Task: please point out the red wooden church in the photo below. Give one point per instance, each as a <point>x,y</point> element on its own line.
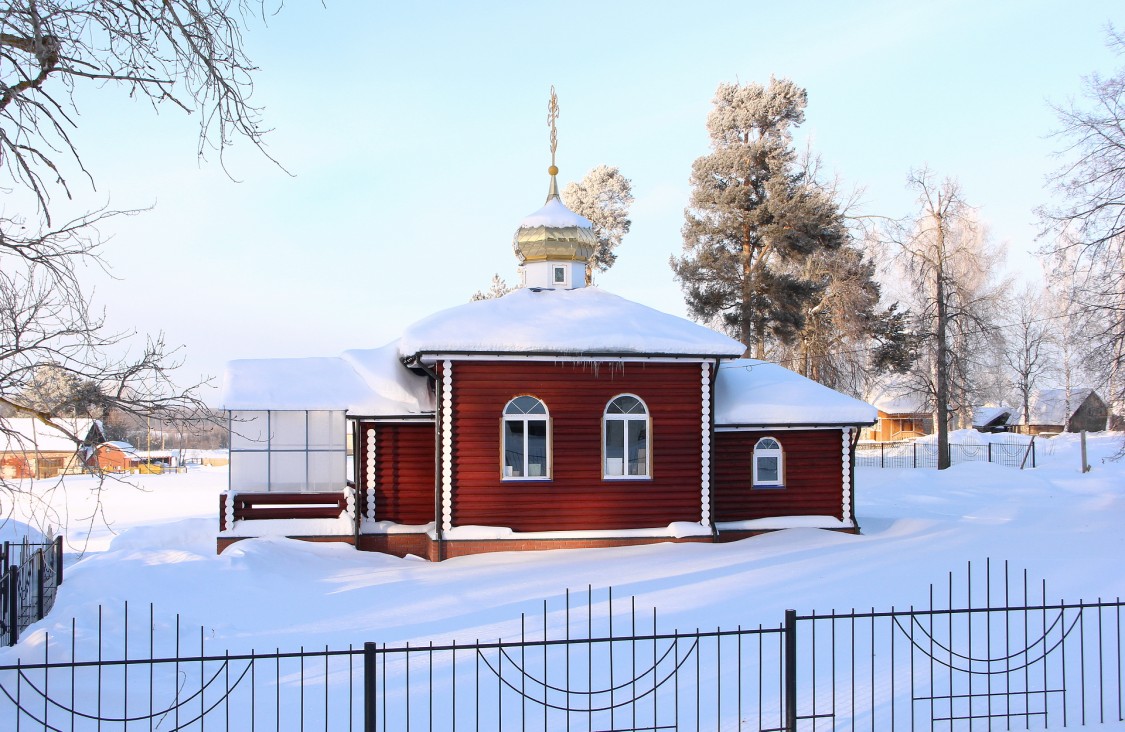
<point>559,415</point>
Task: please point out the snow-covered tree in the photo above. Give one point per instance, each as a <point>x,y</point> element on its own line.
<point>499,288</point>
<point>55,55</point>
<point>754,217</point>
<point>947,273</point>
<point>848,336</point>
<point>1027,346</point>
<point>604,196</point>
<point>1084,228</point>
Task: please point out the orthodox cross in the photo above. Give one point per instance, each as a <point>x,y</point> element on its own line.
<point>552,115</point>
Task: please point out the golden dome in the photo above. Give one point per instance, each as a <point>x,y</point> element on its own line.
<point>554,232</point>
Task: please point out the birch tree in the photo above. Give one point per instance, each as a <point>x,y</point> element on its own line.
<point>1084,226</point>
<point>947,264</point>
<point>1027,348</point>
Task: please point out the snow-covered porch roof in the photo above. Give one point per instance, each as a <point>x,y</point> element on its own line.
<point>364,382</point>
<point>750,393</point>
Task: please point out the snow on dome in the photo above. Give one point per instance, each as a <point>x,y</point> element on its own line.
<point>750,392</point>
<point>555,215</point>
<point>580,322</point>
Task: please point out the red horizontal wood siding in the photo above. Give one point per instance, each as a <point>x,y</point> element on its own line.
<point>576,394</point>
<point>813,476</point>
<point>404,471</point>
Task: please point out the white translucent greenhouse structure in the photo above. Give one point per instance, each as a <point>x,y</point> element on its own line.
<point>287,450</point>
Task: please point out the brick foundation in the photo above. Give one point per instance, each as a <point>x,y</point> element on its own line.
<point>420,545</point>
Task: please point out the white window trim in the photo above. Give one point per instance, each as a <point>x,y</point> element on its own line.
<point>769,452</point>
<point>566,275</point>
<point>628,418</point>
<point>525,418</point>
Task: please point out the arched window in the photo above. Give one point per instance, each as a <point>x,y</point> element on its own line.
<point>769,467</point>
<point>526,441</point>
<point>626,446</point>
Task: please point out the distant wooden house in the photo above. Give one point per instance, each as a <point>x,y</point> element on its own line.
<point>1051,411</point>
<point>31,448</point>
<point>902,415</point>
<point>115,457</point>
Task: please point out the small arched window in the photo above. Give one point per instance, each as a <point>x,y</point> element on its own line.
<point>526,443</point>
<point>626,445</point>
<point>769,465</point>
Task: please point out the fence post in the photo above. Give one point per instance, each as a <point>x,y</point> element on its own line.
<point>915,446</point>
<point>990,452</point>
<point>13,605</point>
<point>57,548</point>
<point>369,687</point>
<point>790,671</point>
<point>882,454</point>
<point>39,560</point>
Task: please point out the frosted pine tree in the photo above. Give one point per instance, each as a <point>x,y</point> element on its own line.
<point>603,196</point>
<point>499,288</point>
<point>754,216</point>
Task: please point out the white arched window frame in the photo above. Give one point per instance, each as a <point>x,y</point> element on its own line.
<point>525,441</point>
<point>626,439</point>
<point>769,464</point>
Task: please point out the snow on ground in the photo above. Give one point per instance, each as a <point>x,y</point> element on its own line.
<point>1061,525</point>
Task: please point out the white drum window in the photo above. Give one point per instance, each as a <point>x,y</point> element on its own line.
<point>526,439</point>
<point>626,443</point>
<point>769,464</point>
<point>292,450</point>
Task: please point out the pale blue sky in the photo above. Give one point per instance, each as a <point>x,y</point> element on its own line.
<point>417,139</point>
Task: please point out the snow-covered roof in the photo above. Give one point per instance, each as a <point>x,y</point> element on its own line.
<point>124,447</point>
<point>556,215</point>
<point>587,320</point>
<point>22,434</point>
<point>894,396</point>
<point>366,382</point>
<point>751,392</point>
<point>984,416</point>
<point>1049,406</point>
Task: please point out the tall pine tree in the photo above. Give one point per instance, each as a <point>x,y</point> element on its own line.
<point>755,215</point>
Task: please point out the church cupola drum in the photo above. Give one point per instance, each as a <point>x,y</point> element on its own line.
<point>554,244</point>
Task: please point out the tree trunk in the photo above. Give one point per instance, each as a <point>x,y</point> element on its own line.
<point>941,397</point>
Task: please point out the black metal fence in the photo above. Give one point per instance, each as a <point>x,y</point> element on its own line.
<point>29,578</point>
<point>1013,451</point>
<point>987,653</point>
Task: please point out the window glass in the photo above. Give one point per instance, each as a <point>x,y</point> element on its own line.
<point>768,463</point>
<point>287,430</point>
<point>248,430</point>
<point>526,439</point>
<point>638,443</point>
<point>767,469</point>
<point>513,449</point>
<point>614,447</point>
<point>537,448</point>
<point>626,447</point>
